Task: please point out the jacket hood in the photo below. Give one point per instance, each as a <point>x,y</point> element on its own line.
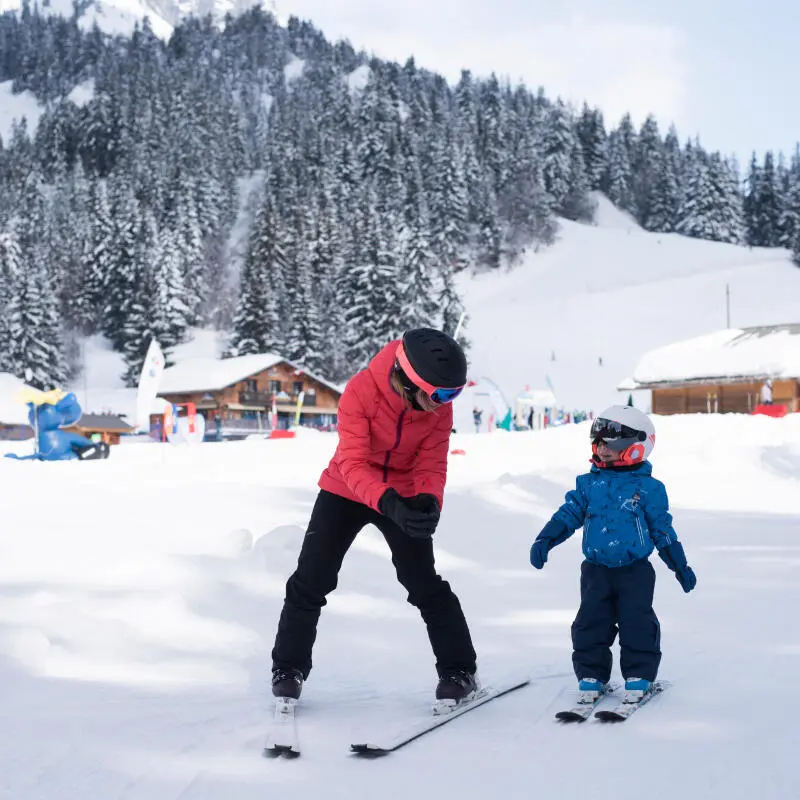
<point>380,367</point>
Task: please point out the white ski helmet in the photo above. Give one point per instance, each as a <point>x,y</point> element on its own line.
<point>625,430</point>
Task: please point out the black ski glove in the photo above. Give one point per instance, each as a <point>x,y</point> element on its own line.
<point>416,516</point>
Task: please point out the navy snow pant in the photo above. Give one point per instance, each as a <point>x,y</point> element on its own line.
<point>334,525</point>
<point>611,598</point>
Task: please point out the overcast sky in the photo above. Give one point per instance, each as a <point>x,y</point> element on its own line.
<point>727,71</point>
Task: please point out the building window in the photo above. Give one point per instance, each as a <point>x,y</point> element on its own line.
<point>275,387</point>
<point>310,398</point>
<point>251,385</point>
<point>297,387</point>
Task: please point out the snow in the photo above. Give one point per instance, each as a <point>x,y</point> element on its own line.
<point>607,215</point>
<point>83,93</point>
<point>757,353</point>
<point>579,316</point>
<point>294,69</point>
<point>137,615</point>
<point>15,107</point>
<point>111,16</point>
<point>359,78</point>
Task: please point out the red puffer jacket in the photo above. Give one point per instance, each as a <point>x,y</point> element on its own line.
<point>383,444</point>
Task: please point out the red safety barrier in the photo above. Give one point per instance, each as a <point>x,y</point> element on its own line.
<point>774,410</point>
<point>278,433</point>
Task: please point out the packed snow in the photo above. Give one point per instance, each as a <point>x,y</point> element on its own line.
<point>576,318</point>
<point>137,616</point>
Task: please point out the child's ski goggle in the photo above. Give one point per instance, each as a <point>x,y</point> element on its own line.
<point>439,394</point>
<point>615,435</point>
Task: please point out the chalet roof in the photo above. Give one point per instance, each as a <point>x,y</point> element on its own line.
<point>734,354</point>
<point>103,422</point>
<point>213,374</point>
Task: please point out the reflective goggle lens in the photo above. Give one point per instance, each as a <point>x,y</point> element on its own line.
<point>446,395</point>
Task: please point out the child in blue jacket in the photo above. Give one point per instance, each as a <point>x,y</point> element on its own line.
<point>624,513</point>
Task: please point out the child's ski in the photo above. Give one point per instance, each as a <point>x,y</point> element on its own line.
<point>582,710</point>
<point>625,710</point>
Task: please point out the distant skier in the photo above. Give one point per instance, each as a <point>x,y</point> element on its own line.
<point>389,469</point>
<point>477,417</point>
<point>766,393</point>
<point>624,513</point>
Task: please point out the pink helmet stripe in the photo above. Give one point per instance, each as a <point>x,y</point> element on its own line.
<point>405,365</point>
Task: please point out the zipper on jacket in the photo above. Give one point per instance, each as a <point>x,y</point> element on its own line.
<point>396,445</point>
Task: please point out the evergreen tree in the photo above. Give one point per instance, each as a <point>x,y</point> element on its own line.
<point>257,325</point>
<point>591,133</point>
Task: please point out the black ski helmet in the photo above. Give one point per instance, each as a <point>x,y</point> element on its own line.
<point>436,357</point>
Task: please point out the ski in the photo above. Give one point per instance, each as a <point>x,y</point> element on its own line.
<point>282,739</point>
<point>624,710</point>
<point>439,717</point>
<point>583,709</point>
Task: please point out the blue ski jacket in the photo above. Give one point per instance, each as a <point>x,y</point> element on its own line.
<point>624,515</point>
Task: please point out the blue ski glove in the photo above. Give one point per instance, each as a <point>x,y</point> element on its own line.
<point>552,534</point>
<point>674,557</point>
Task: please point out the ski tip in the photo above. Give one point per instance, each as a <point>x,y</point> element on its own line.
<point>281,752</point>
<point>368,750</point>
<point>609,716</point>
<point>569,716</point>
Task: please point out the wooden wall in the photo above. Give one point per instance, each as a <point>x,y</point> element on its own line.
<point>739,398</point>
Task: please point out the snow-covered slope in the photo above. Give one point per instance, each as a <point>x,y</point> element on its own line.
<point>120,16</point>
<point>139,598</point>
<point>580,314</point>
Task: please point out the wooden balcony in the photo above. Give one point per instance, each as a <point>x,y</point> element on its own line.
<point>260,399</point>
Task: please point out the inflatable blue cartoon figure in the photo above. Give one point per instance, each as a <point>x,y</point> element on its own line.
<point>47,415</point>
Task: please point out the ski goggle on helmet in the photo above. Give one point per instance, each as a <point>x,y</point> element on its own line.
<point>411,378</point>
<point>626,431</point>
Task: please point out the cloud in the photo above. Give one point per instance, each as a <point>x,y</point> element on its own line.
<point>616,64</point>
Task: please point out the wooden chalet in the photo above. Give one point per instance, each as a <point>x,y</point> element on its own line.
<point>239,393</point>
<point>107,428</point>
<point>722,372</point>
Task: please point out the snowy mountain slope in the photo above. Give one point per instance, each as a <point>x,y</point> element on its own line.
<point>613,292</point>
<point>120,16</point>
<point>111,16</point>
<point>135,627</point>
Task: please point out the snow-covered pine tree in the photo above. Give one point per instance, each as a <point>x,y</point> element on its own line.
<point>34,323</point>
<point>94,263</point>
<point>10,268</point>
<point>257,326</point>
<point>769,204</point>
<point>665,200</point>
<point>591,133</point>
<point>558,143</point>
<point>646,166</point>
<point>790,211</point>
<point>619,175</point>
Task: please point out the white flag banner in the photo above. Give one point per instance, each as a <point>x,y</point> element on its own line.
<point>149,380</point>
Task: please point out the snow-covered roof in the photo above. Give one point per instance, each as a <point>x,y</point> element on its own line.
<point>770,351</point>
<point>213,374</point>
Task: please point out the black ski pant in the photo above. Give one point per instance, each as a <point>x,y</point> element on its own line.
<point>334,525</point>
<point>612,598</point>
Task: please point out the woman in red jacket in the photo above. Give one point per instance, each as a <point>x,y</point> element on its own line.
<point>389,469</point>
